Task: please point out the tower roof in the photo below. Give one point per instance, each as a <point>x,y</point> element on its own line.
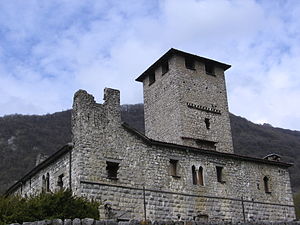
<point>174,51</point>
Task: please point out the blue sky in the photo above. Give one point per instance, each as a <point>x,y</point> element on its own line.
<point>50,49</point>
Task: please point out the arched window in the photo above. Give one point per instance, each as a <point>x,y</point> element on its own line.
<point>200,176</point>
<point>266,185</point>
<point>194,174</point>
<point>43,183</point>
<point>47,182</point>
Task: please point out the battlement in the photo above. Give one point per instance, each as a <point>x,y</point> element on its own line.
<point>88,115</point>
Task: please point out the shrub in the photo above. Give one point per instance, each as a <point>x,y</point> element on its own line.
<point>62,205</point>
<point>297,204</point>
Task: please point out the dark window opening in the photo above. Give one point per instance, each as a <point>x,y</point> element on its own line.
<point>194,174</point>
<point>47,182</point>
<point>60,182</point>
<point>190,63</point>
<point>200,176</point>
<point>207,123</point>
<point>43,184</point>
<point>112,170</point>
<point>174,168</point>
<point>164,67</point>
<point>209,69</point>
<point>266,185</point>
<point>151,78</point>
<point>219,174</point>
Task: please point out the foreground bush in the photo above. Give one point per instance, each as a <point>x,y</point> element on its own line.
<point>62,204</point>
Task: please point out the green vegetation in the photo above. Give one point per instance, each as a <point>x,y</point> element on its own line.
<point>62,205</point>
<point>297,204</point>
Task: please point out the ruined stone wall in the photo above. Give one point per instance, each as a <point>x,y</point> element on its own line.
<point>179,101</point>
<point>140,164</point>
<point>35,185</point>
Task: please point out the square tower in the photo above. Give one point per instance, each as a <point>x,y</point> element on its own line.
<point>185,101</point>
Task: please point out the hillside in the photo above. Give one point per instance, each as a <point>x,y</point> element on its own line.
<point>22,138</point>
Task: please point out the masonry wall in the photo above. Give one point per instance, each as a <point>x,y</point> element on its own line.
<point>179,101</point>
<point>34,185</point>
<point>103,139</point>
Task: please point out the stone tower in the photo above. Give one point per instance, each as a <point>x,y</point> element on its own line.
<point>185,101</point>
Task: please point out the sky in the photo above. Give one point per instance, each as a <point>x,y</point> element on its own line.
<point>50,49</point>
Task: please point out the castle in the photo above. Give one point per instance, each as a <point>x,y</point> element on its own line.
<point>183,168</point>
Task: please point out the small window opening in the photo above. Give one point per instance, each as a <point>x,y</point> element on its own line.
<point>209,69</point>
<point>190,63</point>
<point>266,185</point>
<point>164,67</point>
<point>60,182</point>
<point>43,183</point>
<point>200,176</point>
<point>112,170</point>
<point>151,78</point>
<point>47,182</point>
<point>219,174</point>
<point>174,168</point>
<point>194,175</point>
<point>207,123</point>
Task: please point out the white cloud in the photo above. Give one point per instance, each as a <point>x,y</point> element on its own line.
<point>49,49</point>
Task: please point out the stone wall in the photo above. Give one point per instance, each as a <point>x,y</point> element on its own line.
<point>88,221</point>
<point>143,164</point>
<point>169,116</point>
<point>48,177</point>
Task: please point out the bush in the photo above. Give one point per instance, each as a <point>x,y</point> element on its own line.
<point>62,205</point>
<point>297,204</point>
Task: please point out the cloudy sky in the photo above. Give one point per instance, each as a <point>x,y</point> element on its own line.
<point>50,49</point>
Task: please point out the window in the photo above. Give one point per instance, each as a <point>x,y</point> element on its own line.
<point>209,69</point>
<point>43,183</point>
<point>174,168</point>
<point>164,67</point>
<point>112,170</point>
<point>197,175</point>
<point>207,123</point>
<point>190,63</point>
<point>266,185</point>
<point>47,182</point>
<point>200,176</point>
<point>60,183</point>
<point>151,78</point>
<point>219,174</point>
<point>194,175</point>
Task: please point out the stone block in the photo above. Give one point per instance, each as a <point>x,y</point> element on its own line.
<point>57,222</point>
<point>76,221</point>
<point>87,221</point>
<point>67,222</point>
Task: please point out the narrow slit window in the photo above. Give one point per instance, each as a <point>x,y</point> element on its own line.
<point>165,67</point>
<point>174,168</point>
<point>207,123</point>
<point>151,78</point>
<point>43,183</point>
<point>190,63</point>
<point>219,174</point>
<point>200,176</point>
<point>209,69</point>
<point>47,182</point>
<point>194,175</point>
<point>112,170</point>
<point>266,185</point>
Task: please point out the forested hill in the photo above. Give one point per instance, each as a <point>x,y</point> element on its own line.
<point>22,138</point>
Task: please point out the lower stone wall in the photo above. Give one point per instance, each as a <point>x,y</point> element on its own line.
<point>124,202</point>
<point>88,221</point>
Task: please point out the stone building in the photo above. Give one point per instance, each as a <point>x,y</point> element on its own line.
<point>183,168</point>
